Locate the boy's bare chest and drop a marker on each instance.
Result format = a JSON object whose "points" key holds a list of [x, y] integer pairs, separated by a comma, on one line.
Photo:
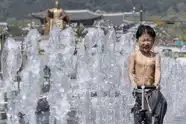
{"points": [[145, 61]]}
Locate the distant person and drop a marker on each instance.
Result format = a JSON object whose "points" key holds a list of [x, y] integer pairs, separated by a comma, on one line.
{"points": [[144, 69]]}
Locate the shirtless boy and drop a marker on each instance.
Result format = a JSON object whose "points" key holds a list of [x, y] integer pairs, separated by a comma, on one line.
{"points": [[144, 69]]}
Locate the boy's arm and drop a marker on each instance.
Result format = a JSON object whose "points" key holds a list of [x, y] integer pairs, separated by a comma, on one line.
{"points": [[131, 62], [157, 71]]}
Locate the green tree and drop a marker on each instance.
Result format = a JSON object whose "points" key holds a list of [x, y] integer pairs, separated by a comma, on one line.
{"points": [[15, 31], [182, 35], [1, 30]]}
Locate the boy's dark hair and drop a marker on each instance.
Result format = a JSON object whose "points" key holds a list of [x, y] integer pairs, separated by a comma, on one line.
{"points": [[145, 29]]}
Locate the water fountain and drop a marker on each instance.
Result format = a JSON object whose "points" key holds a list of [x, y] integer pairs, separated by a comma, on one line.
{"points": [[11, 62], [90, 87]]}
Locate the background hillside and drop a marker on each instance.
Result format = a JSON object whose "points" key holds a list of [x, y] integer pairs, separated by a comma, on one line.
{"points": [[20, 8], [14, 11]]}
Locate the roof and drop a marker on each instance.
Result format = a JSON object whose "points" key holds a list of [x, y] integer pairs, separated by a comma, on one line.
{"points": [[131, 13], [73, 14], [82, 14], [116, 18], [78, 15], [39, 15]]}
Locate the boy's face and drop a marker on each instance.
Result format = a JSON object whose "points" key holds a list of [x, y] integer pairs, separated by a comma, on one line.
{"points": [[145, 42]]}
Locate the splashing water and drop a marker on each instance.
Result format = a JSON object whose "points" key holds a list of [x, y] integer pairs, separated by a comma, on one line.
{"points": [[173, 87], [11, 61], [91, 87], [23, 105], [61, 67]]}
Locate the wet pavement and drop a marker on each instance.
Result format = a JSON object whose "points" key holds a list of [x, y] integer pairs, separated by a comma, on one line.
{"points": [[44, 119]]}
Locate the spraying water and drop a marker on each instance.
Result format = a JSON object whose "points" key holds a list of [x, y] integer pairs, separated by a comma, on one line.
{"points": [[92, 86], [11, 61]]}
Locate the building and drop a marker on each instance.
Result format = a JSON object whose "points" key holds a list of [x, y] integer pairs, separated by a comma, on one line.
{"points": [[115, 18], [83, 16], [88, 17]]}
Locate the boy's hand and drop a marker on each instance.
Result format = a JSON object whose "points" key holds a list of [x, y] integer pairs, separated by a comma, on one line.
{"points": [[157, 86], [134, 85]]}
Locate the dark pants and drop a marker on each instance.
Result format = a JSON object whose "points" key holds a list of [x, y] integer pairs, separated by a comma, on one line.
{"points": [[155, 107]]}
